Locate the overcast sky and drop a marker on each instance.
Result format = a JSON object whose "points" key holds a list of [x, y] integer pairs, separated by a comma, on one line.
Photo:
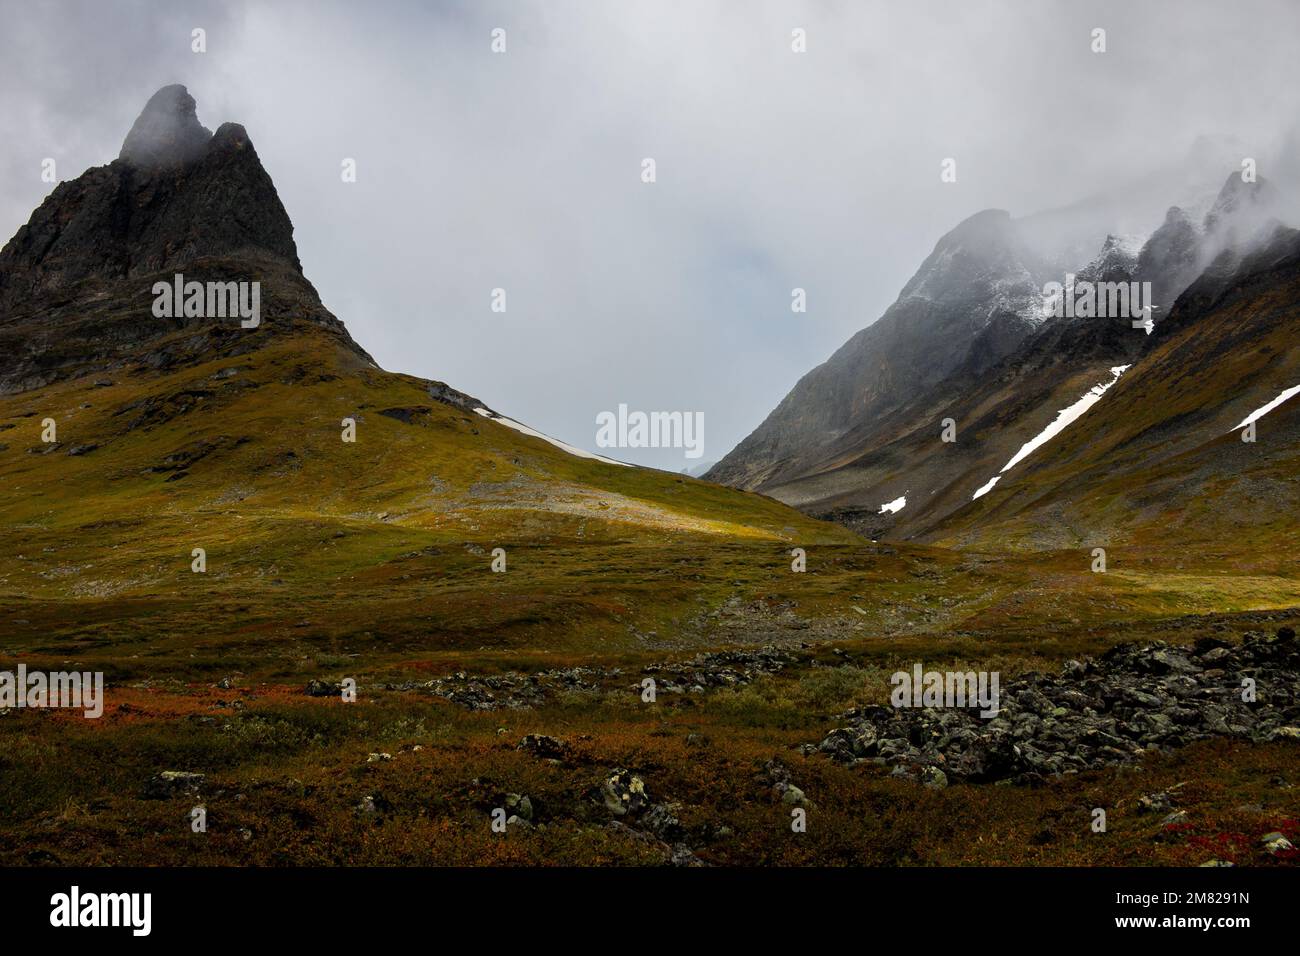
{"points": [[522, 170]]}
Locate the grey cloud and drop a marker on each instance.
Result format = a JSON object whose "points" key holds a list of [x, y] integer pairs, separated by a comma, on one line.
{"points": [[775, 170]]}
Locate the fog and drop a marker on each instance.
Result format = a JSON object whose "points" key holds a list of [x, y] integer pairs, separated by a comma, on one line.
{"points": [[775, 170]]}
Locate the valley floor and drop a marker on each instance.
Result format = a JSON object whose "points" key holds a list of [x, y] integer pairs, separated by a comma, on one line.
{"points": [[412, 771]]}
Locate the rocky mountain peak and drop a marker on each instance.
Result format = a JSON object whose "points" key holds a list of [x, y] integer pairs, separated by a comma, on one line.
{"points": [[1238, 196], [985, 251], [1243, 216], [76, 280], [167, 132], [1116, 262], [176, 194]]}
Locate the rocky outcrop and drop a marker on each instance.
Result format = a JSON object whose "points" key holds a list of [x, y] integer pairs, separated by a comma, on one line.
{"points": [[76, 280], [1111, 710], [175, 195]]}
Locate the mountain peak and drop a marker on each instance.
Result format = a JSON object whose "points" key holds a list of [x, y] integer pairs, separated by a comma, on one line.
{"points": [[167, 132], [985, 224], [1240, 198], [123, 220]]}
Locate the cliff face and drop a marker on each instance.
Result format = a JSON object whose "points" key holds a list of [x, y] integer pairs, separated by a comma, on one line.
{"points": [[76, 280], [176, 193]]}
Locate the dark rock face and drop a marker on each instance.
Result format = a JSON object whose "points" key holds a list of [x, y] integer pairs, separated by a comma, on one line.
{"points": [[1012, 356], [1106, 711], [176, 194], [1272, 262], [1236, 228], [1169, 260], [76, 280]]}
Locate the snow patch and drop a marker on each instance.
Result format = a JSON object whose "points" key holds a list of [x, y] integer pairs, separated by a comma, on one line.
{"points": [[891, 507], [1129, 243], [525, 430], [1263, 410], [985, 488], [1064, 418]]}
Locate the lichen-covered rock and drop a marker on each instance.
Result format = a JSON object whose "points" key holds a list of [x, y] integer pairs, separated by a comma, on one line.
{"points": [[624, 793], [1096, 713]]}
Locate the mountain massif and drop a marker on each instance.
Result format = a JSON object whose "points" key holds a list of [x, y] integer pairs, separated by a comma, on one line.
{"points": [[933, 423]]}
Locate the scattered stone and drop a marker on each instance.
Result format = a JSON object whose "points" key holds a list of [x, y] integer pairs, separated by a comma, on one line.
{"points": [[320, 688], [514, 691], [777, 775], [624, 793], [678, 854], [169, 783], [661, 820], [1275, 842], [793, 796], [377, 757], [719, 669], [544, 747], [1156, 802], [683, 855], [520, 806], [934, 778]]}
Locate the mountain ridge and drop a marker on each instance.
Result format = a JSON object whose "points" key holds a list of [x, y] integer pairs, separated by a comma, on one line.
{"points": [[997, 398]]}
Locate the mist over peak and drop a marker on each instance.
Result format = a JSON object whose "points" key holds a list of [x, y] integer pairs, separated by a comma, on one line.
{"points": [[167, 132]]}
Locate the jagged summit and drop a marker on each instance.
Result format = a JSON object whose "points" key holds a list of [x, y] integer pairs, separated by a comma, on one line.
{"points": [[76, 280], [167, 132], [177, 193]]}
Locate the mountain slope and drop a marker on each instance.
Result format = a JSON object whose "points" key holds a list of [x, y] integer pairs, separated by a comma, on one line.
{"points": [[1160, 460], [887, 473], [973, 301], [175, 434]]}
